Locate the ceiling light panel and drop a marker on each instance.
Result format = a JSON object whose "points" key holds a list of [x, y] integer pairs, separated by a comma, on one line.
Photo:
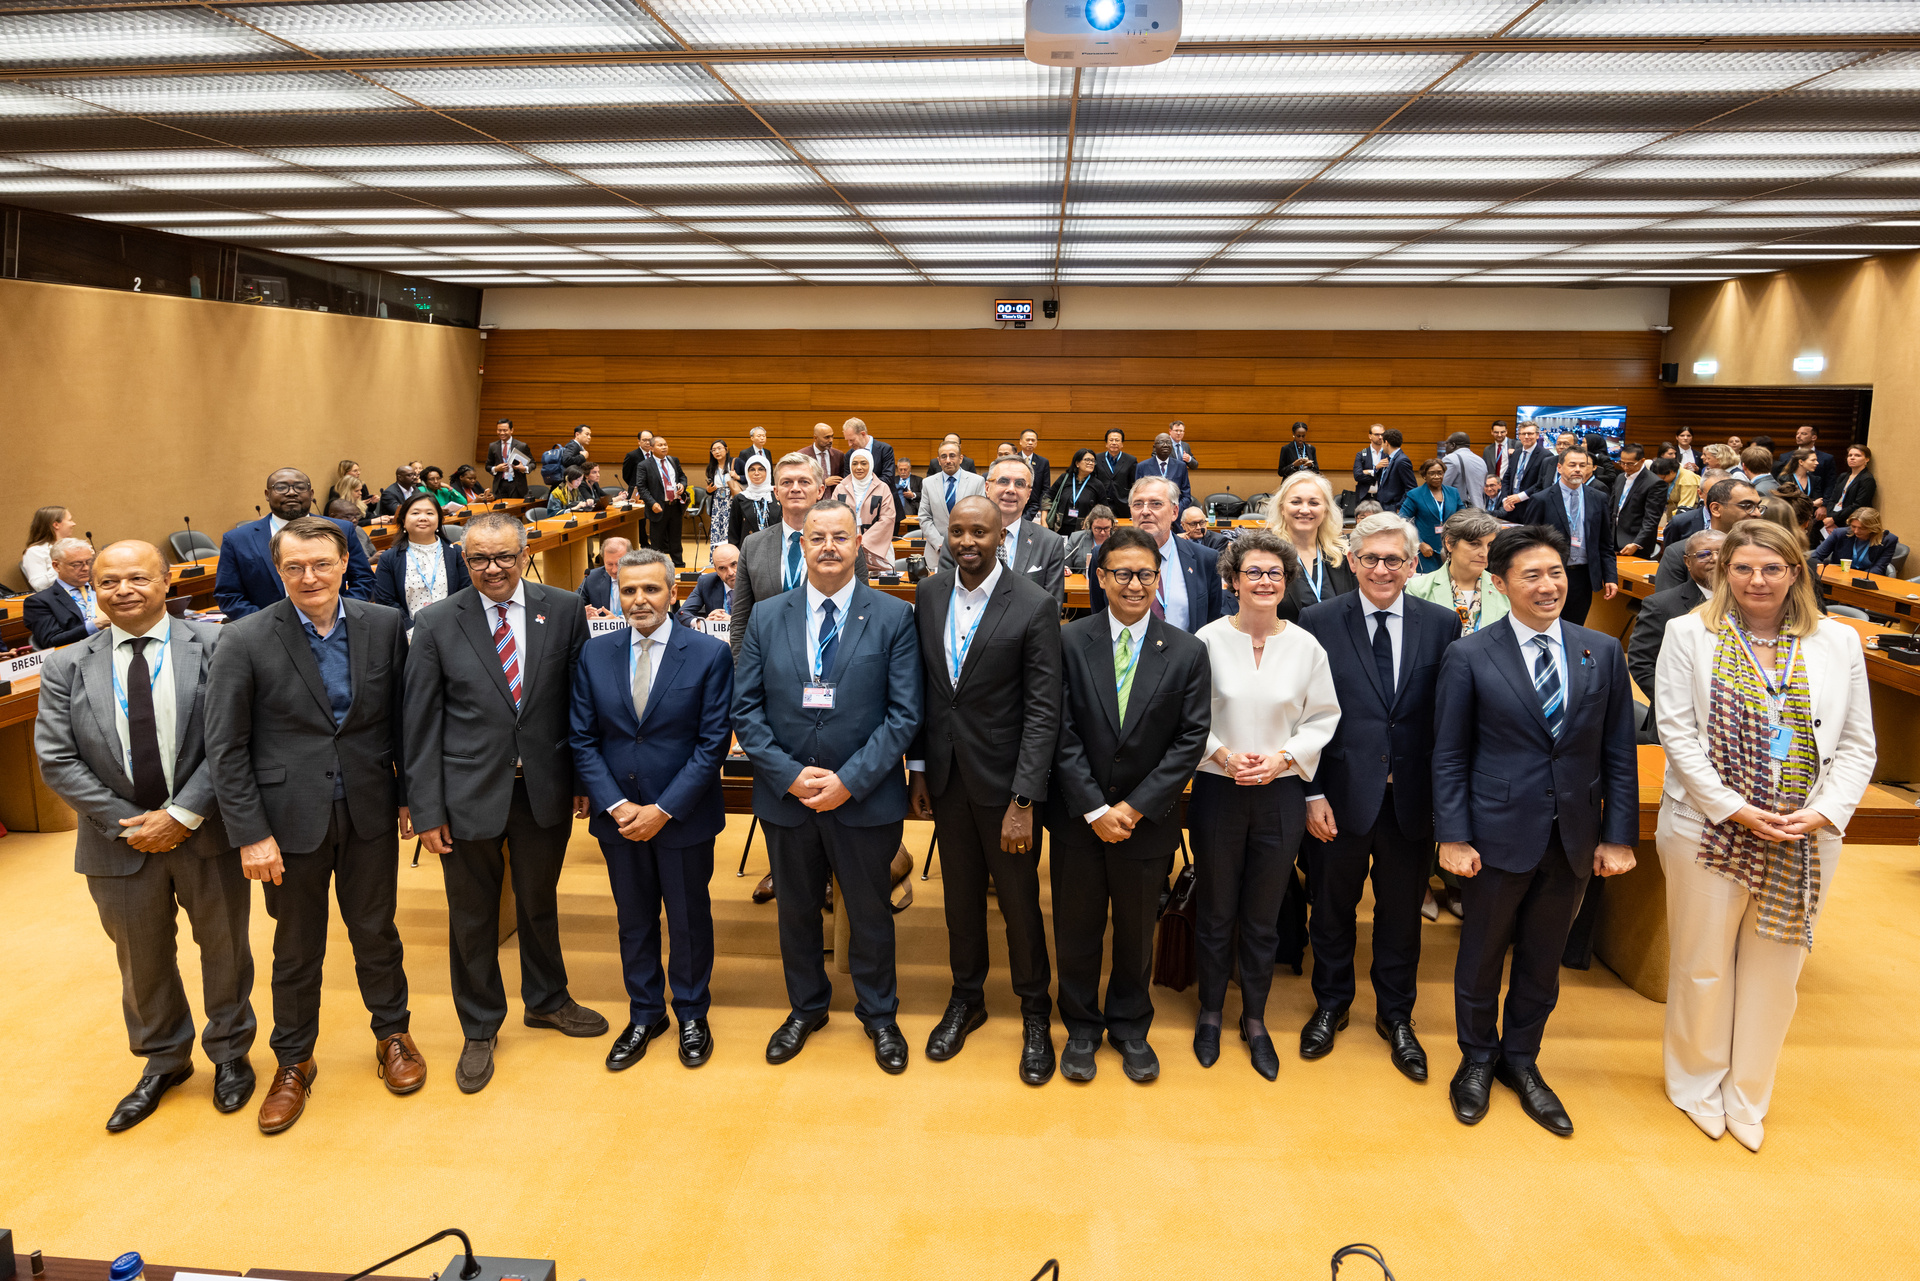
{"points": [[1607, 205], [584, 231], [1508, 225], [687, 176], [351, 157], [1288, 225], [780, 24], [1892, 169], [1797, 142], [1213, 146], [422, 229], [168, 216], [715, 151], [750, 211], [1757, 223], [970, 79], [240, 180], [1783, 205], [19, 100], [1477, 252], [201, 159], [1890, 71], [1260, 75], [1502, 145], [1009, 251], [1641, 72], [253, 231], [415, 213], [1250, 248], [1691, 169], [763, 250], [567, 86], [784, 227], [242, 93], [499, 213], [1410, 208], [1344, 19], [1718, 18], [1017, 228], [1189, 171], [1486, 169], [473, 179], [975, 174], [472, 26], [134, 36], [1019, 147]]}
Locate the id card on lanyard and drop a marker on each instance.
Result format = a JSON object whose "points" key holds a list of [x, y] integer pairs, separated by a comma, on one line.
{"points": [[817, 694], [1780, 734], [1317, 580]]}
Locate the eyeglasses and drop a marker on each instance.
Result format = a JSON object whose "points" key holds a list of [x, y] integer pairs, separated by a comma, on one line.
{"points": [[1752, 505], [1703, 557], [500, 560], [294, 569], [819, 540], [1011, 482], [1370, 561], [1773, 573], [1277, 574], [1127, 577], [290, 487]]}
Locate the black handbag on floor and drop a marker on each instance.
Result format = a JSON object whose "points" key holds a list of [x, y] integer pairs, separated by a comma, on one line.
{"points": [[1174, 965]]}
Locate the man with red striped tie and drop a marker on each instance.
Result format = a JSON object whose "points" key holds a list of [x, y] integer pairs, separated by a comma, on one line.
{"points": [[489, 679]]}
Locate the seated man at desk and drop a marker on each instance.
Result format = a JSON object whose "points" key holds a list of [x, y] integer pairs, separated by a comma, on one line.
{"points": [[66, 610]]}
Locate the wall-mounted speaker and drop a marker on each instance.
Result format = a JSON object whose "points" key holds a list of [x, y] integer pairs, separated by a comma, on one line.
{"points": [[1670, 373]]}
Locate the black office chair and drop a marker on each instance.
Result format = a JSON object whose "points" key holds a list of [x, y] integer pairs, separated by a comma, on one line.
{"points": [[1225, 506], [191, 545]]}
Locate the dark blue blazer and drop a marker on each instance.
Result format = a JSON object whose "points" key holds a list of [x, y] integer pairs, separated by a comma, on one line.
{"points": [[1203, 585], [1381, 732], [1499, 775], [876, 673], [708, 595], [1397, 483], [1547, 508], [389, 588], [1174, 469], [670, 757], [245, 580], [597, 589], [1539, 473], [52, 618], [1838, 548]]}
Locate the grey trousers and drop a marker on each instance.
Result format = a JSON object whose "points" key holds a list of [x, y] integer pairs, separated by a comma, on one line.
{"points": [[140, 915]]}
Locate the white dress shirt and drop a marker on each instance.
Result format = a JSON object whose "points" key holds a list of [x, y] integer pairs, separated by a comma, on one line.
{"points": [[815, 613], [159, 655], [516, 619], [1520, 471], [1396, 632], [658, 643], [1114, 628], [1010, 539], [964, 610], [1287, 703], [1173, 586], [1530, 653]]}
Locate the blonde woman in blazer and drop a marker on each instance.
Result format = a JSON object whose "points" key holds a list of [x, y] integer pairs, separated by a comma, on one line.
{"points": [[1749, 864]]}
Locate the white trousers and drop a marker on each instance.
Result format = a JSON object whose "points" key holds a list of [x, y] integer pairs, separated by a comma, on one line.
{"points": [[1730, 993]]}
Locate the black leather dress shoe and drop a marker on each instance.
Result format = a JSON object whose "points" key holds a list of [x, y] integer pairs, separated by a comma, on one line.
{"points": [[139, 1105], [696, 1043], [950, 1034], [1206, 1043], [631, 1045], [1076, 1061], [1137, 1060], [889, 1048], [1036, 1051], [1469, 1090], [232, 1085], [1403, 1046], [1536, 1100], [1266, 1059], [1316, 1038], [791, 1037]]}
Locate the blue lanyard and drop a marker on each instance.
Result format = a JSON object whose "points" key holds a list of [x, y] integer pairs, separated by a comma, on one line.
{"points": [[1078, 490], [1861, 551], [1120, 679], [419, 575], [1317, 579], [819, 646], [153, 674], [1776, 698], [958, 645]]}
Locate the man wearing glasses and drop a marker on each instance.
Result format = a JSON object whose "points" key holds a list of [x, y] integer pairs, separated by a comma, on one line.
{"points": [[1370, 805], [303, 739], [1187, 592], [1027, 547], [772, 560], [489, 684], [246, 578], [1729, 501], [1702, 553]]}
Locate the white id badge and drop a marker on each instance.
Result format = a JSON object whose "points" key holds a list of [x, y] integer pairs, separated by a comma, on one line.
{"points": [[817, 694], [1073, 512]]}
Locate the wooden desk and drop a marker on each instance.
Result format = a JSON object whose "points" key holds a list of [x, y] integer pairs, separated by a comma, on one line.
{"points": [[59, 1269], [560, 554], [1887, 596], [27, 804]]}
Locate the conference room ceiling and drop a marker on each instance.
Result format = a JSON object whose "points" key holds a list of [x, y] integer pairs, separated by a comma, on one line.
{"points": [[524, 142]]}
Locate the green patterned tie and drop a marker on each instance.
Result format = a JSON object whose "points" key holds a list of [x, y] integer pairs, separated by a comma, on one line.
{"points": [[1123, 669]]}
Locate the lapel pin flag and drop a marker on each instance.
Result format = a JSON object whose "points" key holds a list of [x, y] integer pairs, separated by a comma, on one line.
{"points": [[539, 618]]}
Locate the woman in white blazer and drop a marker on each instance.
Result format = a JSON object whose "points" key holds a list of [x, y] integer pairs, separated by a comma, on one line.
{"points": [[1768, 730]]}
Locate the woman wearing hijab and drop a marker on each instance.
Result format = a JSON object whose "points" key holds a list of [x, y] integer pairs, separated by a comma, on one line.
{"points": [[753, 508], [873, 510]]}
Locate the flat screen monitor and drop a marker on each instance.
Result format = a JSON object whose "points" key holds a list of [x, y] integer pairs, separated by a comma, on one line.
{"points": [[1606, 421], [1016, 309]]}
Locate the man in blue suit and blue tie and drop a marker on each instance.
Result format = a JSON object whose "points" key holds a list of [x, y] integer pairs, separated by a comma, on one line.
{"points": [[827, 696], [650, 725], [1164, 462], [1535, 789], [246, 581]]}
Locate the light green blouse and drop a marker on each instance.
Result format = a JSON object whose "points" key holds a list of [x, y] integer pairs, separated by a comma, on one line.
{"points": [[1437, 587]]}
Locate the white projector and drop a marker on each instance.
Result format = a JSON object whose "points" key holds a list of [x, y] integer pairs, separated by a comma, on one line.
{"points": [[1101, 33]]}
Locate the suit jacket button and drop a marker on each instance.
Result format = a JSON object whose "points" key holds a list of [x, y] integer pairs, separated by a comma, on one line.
{"points": [[1113, 791], [629, 778], [1383, 760], [1549, 791], [1816, 724], [809, 760]]}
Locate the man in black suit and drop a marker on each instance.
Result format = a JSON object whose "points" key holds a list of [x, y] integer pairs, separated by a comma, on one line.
{"points": [[1372, 800], [1114, 465], [1297, 454], [906, 488], [1804, 437], [597, 592], [1702, 552], [831, 462], [489, 683], [509, 461], [1396, 478], [406, 483], [1042, 472], [1193, 528], [1529, 468], [303, 731], [663, 489], [711, 599], [990, 652], [756, 448], [1139, 697], [1187, 594], [1178, 430], [1535, 789], [1499, 452], [1727, 503], [1639, 498], [1368, 463], [66, 610], [854, 430], [630, 467], [1580, 514]]}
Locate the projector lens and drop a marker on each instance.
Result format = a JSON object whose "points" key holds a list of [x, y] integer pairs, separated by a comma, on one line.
{"points": [[1105, 15]]}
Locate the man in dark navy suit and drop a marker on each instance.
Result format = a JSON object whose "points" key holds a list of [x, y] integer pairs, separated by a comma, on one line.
{"points": [[827, 695], [597, 593], [1367, 464], [1535, 789], [1188, 594], [245, 579], [1397, 480], [1372, 799], [1584, 517], [712, 596], [1115, 465], [66, 610], [651, 720]]}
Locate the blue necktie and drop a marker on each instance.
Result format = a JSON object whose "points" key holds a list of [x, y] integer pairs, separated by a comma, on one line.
{"points": [[1546, 682], [829, 643], [949, 493], [793, 559]]}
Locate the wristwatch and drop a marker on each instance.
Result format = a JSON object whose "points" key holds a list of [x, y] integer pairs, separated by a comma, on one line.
{"points": [[1022, 802]]}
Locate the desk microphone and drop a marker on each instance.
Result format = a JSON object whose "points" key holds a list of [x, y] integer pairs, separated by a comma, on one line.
{"points": [[193, 557], [256, 509]]}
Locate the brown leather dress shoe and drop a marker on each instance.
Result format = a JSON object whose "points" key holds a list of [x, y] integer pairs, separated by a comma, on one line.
{"points": [[399, 1063], [287, 1097], [763, 892]]}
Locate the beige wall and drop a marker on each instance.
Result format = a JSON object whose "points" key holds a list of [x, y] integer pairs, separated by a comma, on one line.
{"points": [[135, 410], [1862, 316]]}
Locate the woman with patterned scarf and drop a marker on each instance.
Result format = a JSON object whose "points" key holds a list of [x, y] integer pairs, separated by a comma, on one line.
{"points": [[1764, 714]]}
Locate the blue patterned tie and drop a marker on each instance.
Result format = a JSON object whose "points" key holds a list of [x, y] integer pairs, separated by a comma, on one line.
{"points": [[1546, 682], [949, 493], [829, 643]]}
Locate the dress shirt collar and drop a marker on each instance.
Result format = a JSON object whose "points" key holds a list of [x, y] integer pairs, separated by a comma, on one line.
{"points": [[274, 525], [339, 617], [1398, 609], [1527, 634], [659, 636], [839, 598], [791, 528], [979, 595], [1568, 495], [519, 598], [160, 631], [1139, 629]]}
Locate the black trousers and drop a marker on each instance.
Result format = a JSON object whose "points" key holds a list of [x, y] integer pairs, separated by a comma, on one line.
{"points": [[516, 488], [803, 859], [647, 876], [969, 853], [365, 876], [1530, 912], [1579, 598], [1244, 842], [663, 529], [474, 873], [1398, 867], [1089, 883]]}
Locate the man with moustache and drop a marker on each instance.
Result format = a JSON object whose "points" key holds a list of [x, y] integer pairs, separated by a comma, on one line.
{"points": [[949, 483], [711, 600]]}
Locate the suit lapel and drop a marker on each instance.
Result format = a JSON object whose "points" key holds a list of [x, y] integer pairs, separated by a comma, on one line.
{"points": [[187, 658], [1578, 673], [537, 642], [668, 665], [293, 638], [1409, 645], [796, 601], [473, 625], [1515, 667], [991, 617], [859, 605], [1147, 675], [1363, 646], [359, 641], [1099, 650], [96, 668], [939, 605]]}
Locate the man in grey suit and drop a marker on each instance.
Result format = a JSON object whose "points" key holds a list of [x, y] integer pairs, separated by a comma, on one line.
{"points": [[772, 560], [1465, 471], [944, 488], [303, 739], [826, 700], [121, 738], [489, 769], [1027, 547]]}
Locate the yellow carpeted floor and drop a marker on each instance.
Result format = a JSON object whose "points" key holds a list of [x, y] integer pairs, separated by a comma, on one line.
{"points": [[828, 1168]]}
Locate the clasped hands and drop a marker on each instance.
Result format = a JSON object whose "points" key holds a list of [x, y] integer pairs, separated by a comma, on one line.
{"points": [[1252, 769], [1460, 858], [1779, 827], [819, 789]]}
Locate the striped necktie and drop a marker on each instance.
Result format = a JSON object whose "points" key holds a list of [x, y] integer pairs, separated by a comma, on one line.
{"points": [[509, 654], [1546, 683]]}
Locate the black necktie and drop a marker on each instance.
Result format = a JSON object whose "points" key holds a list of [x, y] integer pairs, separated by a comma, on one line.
{"points": [[1383, 654], [149, 775]]}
